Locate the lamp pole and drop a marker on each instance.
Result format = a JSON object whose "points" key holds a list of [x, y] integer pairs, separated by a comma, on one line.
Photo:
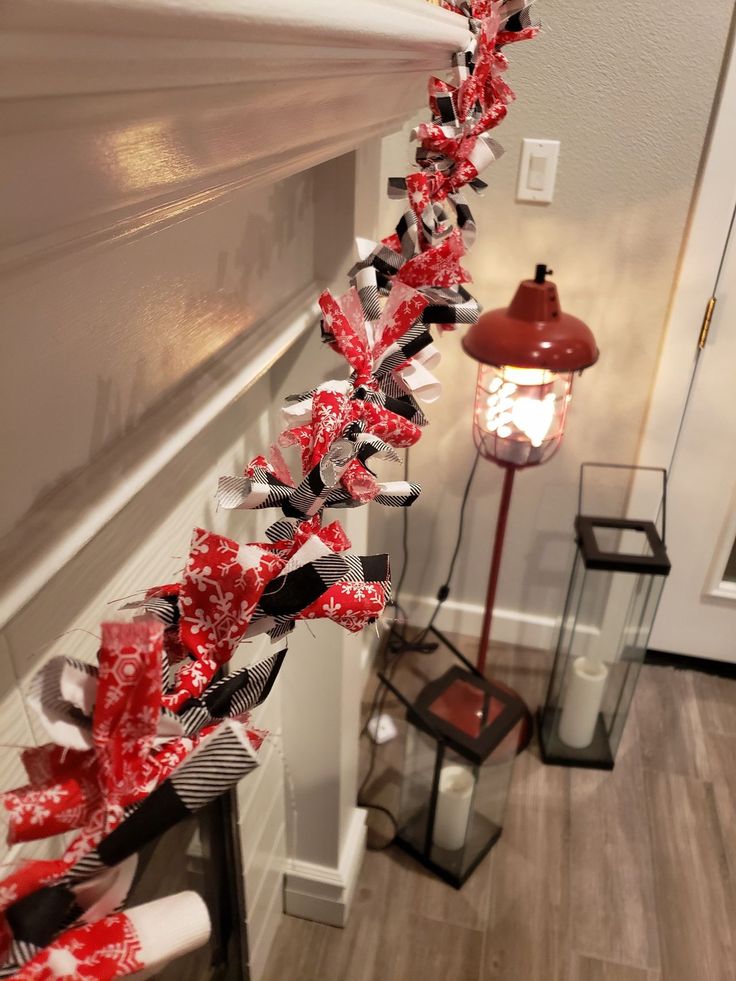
{"points": [[527, 355], [503, 513]]}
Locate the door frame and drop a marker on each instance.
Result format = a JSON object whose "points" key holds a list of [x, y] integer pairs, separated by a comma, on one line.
{"points": [[704, 246]]}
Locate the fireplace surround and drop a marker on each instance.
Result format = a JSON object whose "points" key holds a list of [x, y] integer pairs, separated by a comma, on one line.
{"points": [[177, 185]]}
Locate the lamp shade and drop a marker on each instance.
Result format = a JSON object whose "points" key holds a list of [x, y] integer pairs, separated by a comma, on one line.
{"points": [[528, 354], [532, 332]]}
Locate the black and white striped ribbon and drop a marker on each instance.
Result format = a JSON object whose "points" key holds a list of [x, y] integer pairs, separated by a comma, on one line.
{"points": [[434, 220], [393, 493], [63, 694], [516, 15], [265, 490], [381, 258], [233, 695], [404, 405], [447, 305], [367, 287], [282, 530], [450, 305], [289, 594], [407, 346]]}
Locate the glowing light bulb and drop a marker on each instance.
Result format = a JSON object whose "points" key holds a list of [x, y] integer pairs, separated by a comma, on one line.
{"points": [[534, 417], [495, 384], [527, 376], [504, 431]]}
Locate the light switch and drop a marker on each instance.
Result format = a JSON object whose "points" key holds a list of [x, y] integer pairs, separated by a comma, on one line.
{"points": [[537, 170], [536, 173]]}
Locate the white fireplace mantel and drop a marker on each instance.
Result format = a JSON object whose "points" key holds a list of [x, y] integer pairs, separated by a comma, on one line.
{"points": [[120, 119], [126, 113], [79, 46]]}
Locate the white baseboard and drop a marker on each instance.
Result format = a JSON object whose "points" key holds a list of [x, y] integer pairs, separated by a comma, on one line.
{"points": [[509, 626], [320, 892]]}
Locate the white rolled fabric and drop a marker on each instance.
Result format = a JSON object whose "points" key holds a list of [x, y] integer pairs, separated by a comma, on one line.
{"points": [[169, 928], [421, 383]]}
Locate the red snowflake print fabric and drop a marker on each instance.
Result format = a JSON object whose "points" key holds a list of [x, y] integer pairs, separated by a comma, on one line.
{"points": [[330, 414], [95, 952], [438, 266], [351, 605], [402, 310], [394, 429], [344, 324], [88, 790], [220, 590], [128, 704]]}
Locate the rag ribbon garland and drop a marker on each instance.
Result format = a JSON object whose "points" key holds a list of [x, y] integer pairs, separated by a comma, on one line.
{"points": [[154, 731]]}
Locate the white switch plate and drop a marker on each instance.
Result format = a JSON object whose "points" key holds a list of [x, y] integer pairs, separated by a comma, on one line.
{"points": [[537, 170]]}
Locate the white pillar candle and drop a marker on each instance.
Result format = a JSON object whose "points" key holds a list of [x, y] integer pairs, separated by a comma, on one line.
{"points": [[582, 702], [454, 800]]}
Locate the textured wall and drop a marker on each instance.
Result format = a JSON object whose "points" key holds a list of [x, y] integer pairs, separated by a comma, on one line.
{"points": [[629, 96]]}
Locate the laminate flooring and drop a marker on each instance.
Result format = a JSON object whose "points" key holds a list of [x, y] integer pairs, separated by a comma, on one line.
{"points": [[621, 876]]}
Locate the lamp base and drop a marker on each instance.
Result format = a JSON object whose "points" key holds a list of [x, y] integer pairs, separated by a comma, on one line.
{"points": [[527, 725], [554, 752]]}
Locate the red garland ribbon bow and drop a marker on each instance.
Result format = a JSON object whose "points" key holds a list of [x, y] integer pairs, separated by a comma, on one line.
{"points": [[332, 410], [89, 790], [218, 598], [344, 321]]}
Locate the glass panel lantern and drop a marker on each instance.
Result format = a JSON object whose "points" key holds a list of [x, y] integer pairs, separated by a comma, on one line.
{"points": [[463, 736], [619, 572], [519, 415]]}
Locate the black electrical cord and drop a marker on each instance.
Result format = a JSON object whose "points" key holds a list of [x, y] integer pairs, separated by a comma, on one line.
{"points": [[399, 644], [404, 534], [376, 711], [444, 591]]}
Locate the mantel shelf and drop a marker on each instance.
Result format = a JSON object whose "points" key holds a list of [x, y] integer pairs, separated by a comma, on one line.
{"points": [[132, 112]]}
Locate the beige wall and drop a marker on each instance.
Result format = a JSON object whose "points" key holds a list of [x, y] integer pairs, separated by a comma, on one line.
{"points": [[628, 92]]}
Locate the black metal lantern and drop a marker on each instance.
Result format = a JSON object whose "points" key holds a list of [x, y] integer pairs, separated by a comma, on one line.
{"points": [[463, 736], [618, 575]]}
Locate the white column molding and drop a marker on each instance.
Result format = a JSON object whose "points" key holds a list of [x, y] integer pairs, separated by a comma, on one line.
{"points": [[321, 687]]}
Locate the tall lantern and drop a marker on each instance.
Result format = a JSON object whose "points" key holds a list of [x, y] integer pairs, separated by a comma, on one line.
{"points": [[620, 568], [463, 736], [528, 354]]}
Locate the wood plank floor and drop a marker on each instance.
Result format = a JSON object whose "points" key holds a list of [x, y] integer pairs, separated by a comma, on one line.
{"points": [[622, 876]]}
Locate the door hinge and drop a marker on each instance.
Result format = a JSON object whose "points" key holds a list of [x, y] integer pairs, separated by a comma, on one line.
{"points": [[705, 326]]}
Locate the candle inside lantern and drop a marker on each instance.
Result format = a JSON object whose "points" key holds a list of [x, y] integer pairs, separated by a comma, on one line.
{"points": [[582, 702], [454, 800]]}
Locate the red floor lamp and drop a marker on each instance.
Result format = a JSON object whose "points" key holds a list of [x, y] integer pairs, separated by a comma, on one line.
{"points": [[528, 354]]}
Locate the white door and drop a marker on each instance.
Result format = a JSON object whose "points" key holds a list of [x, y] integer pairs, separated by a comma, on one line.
{"points": [[697, 614]]}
